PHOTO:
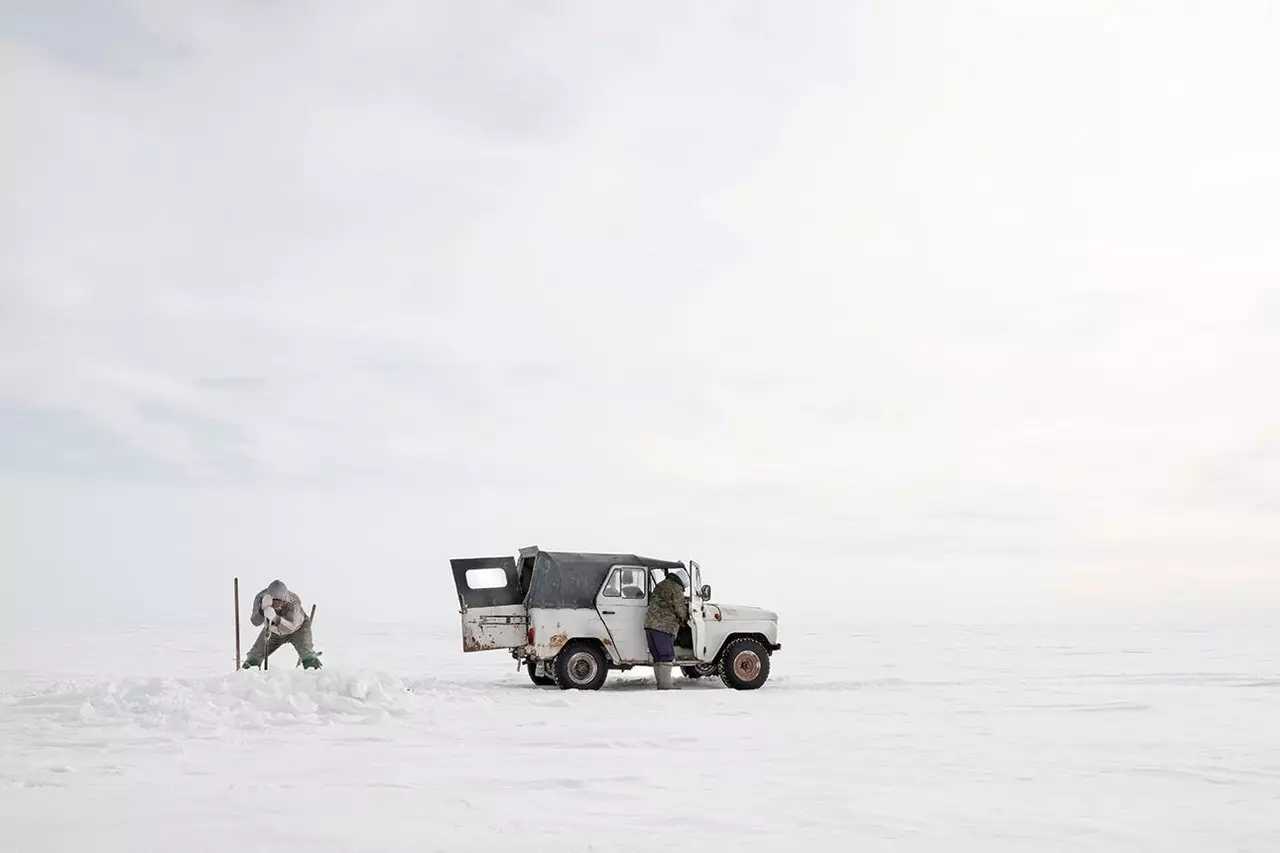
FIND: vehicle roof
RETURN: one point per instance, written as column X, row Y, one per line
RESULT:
column 570, row 560
column 572, row 579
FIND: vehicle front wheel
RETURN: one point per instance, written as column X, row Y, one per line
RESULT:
column 580, row 666
column 540, row 680
column 702, row 670
column 745, row 664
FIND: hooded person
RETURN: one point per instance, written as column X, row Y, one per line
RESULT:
column 666, row 614
column 287, row 622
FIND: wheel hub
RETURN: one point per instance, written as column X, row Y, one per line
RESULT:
column 582, row 667
column 746, row 665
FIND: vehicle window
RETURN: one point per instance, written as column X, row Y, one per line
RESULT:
column 632, row 582
column 625, row 582
column 486, row 578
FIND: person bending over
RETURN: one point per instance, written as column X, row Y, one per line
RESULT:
column 287, row 622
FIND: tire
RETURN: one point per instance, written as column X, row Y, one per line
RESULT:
column 744, row 664
column 580, row 666
column 702, row 670
column 539, row 680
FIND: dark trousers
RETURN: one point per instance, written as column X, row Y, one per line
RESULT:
column 662, row 646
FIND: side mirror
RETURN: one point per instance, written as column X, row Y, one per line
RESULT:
column 705, row 592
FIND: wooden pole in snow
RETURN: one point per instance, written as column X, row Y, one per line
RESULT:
column 235, row 587
column 313, row 619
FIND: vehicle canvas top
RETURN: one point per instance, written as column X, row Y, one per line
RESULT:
column 572, row 580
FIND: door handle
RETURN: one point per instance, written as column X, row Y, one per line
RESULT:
column 608, row 612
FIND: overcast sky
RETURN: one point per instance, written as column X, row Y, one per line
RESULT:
column 933, row 310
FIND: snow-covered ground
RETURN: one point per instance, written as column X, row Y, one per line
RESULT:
column 899, row 739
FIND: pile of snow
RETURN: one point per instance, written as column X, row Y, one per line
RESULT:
column 244, row 700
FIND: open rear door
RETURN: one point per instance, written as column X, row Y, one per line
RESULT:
column 492, row 605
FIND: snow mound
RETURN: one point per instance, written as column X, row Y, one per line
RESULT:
column 244, row 700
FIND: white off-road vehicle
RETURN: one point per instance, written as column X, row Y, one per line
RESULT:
column 569, row 618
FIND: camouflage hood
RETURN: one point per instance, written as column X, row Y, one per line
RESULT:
column 287, row 605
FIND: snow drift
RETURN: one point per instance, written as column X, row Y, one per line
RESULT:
column 905, row 740
column 245, row 700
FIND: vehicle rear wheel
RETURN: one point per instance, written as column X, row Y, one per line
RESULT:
column 540, row 680
column 702, row 670
column 580, row 666
column 744, row 664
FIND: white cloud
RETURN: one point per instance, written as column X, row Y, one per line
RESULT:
column 929, row 286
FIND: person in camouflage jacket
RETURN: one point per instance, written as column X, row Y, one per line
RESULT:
column 286, row 622
column 666, row 614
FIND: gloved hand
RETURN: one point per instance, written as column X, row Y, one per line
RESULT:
column 269, row 613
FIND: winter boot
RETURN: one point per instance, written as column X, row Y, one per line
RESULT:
column 663, row 673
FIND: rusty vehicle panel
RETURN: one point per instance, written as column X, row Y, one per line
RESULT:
column 552, row 629
column 487, row 630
